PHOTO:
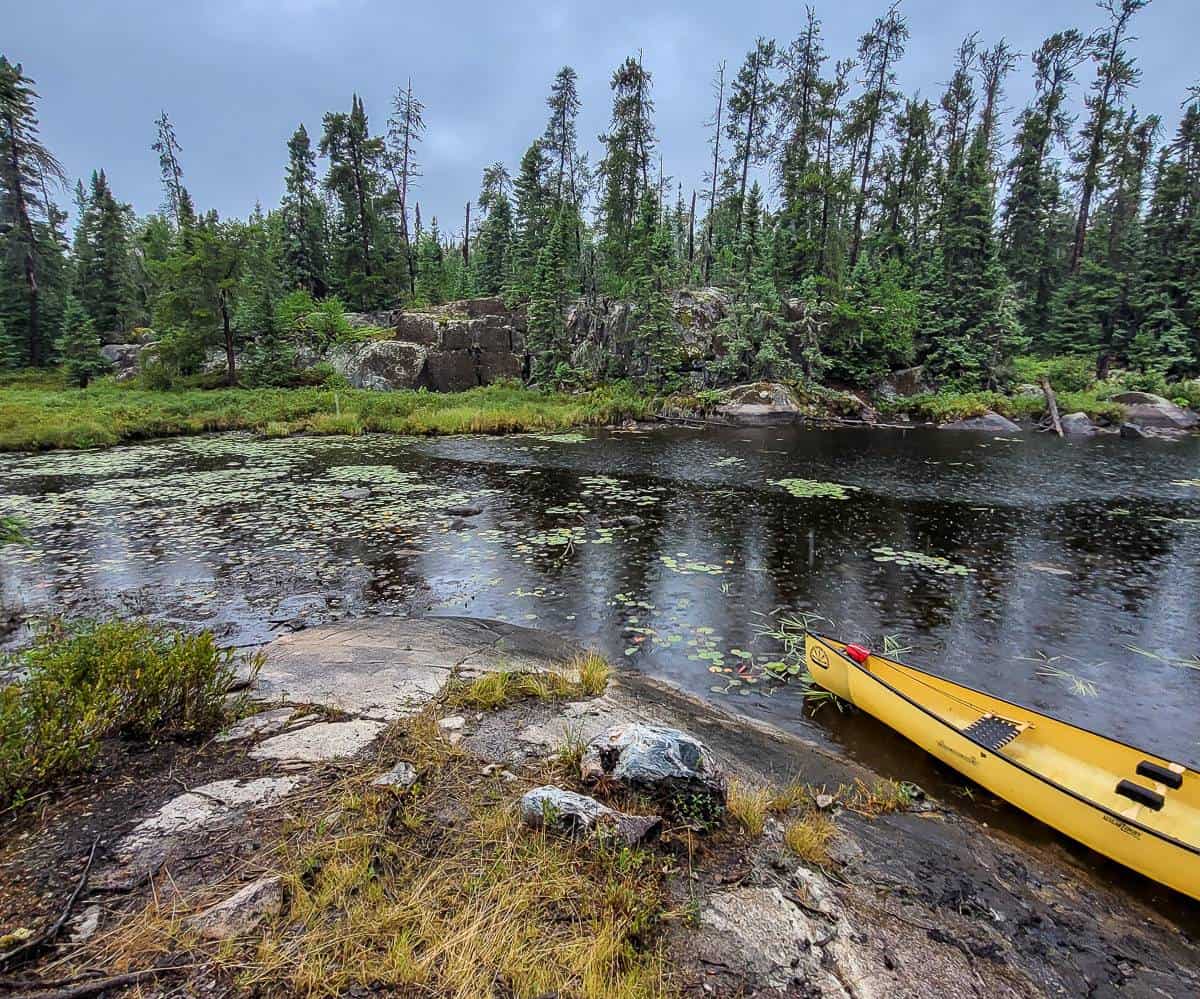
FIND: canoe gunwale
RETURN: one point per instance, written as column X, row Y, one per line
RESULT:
column 1165, row 837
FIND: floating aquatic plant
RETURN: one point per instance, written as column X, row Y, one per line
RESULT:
column 683, row 563
column 814, row 489
column 1048, row 667
column 920, row 560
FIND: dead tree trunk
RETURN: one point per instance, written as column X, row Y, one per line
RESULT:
column 1052, row 406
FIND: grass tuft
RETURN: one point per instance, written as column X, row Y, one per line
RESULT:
column 882, row 797
column 593, row 671
column 809, row 838
column 748, row 806
column 585, row 676
column 794, row 794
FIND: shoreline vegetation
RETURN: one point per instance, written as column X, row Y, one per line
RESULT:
column 40, row 411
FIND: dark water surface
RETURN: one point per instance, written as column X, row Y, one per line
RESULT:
column 669, row 550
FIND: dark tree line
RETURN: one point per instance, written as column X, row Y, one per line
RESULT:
column 855, row 229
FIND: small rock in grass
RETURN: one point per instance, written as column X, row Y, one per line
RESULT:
column 825, row 801
column 400, row 778
column 577, row 815
column 241, row 912
column 455, row 723
column 84, row 926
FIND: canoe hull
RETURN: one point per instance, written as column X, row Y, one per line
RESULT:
column 1161, row 859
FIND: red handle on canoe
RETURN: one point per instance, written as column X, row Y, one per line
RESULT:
column 858, row 653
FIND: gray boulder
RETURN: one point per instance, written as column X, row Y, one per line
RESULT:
column 401, row 777
column 905, row 382
column 240, row 913
column 380, row 364
column 578, row 815
column 665, row 763
column 1131, row 431
column 125, row 358
column 451, row 370
column 762, row 403
column 991, row 423
column 1079, row 425
column 1149, row 410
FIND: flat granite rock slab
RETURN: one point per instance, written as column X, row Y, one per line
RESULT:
column 321, row 743
column 385, row 668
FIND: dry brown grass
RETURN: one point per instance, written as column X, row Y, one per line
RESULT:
column 809, row 838
column 438, row 892
column 792, row 795
column 747, row 805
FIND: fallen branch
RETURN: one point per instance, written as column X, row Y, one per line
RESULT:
column 48, row 936
column 1052, row 405
column 95, row 986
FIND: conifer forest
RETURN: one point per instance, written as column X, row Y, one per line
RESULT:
column 857, row 229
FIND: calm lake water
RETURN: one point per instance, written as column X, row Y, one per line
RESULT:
column 1062, row 574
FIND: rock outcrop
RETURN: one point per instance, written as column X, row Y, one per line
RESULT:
column 1148, row 410
column 760, row 403
column 991, row 423
column 1079, row 425
column 383, row 365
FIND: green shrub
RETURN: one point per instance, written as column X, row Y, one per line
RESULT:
column 80, row 684
column 1067, row 372
column 1186, row 393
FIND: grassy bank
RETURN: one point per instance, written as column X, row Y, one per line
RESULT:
column 82, row 684
column 39, row 413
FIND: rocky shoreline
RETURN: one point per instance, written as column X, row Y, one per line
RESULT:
column 908, row 896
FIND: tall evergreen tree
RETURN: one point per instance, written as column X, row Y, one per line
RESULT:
column 878, row 51
column 659, row 346
column 178, row 204
column 493, row 246
column 1033, row 243
column 625, row 169
column 79, row 346
column 546, row 339
column 971, row 303
column 752, row 100
column 101, row 254
column 28, row 219
column 303, row 218
column 355, row 158
column 1116, row 72
column 534, row 213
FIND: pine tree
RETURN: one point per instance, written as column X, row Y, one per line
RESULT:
column 303, row 218
column 101, row 254
column 493, row 247
column 178, row 204
column 659, row 346
column 546, row 339
column 406, row 129
column 355, row 158
column 1032, row 236
column 878, row 51
column 752, row 100
column 534, row 210
column 79, row 346
column 625, row 169
column 1115, row 74
column 28, row 219
column 431, row 275
column 971, row 303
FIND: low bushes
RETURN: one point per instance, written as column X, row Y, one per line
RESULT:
column 78, row 685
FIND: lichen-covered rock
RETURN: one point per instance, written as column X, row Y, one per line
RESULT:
column 991, row 423
column 401, row 777
column 380, row 364
column 1079, row 425
column 761, row 403
column 241, row 912
column 665, row 763
column 496, row 365
column 905, row 382
column 1149, row 410
column 578, row 815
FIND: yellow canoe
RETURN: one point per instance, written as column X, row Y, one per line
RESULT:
column 1130, row 805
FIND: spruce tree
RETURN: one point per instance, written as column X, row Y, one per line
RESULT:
column 534, row 211
column 493, row 246
column 355, row 159
column 546, row 338
column 303, row 218
column 178, row 204
column 625, row 169
column 79, row 346
column 752, row 100
column 31, row 244
column 659, row 345
column 971, row 304
column 102, row 258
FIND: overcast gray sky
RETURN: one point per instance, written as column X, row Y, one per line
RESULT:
column 237, row 76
